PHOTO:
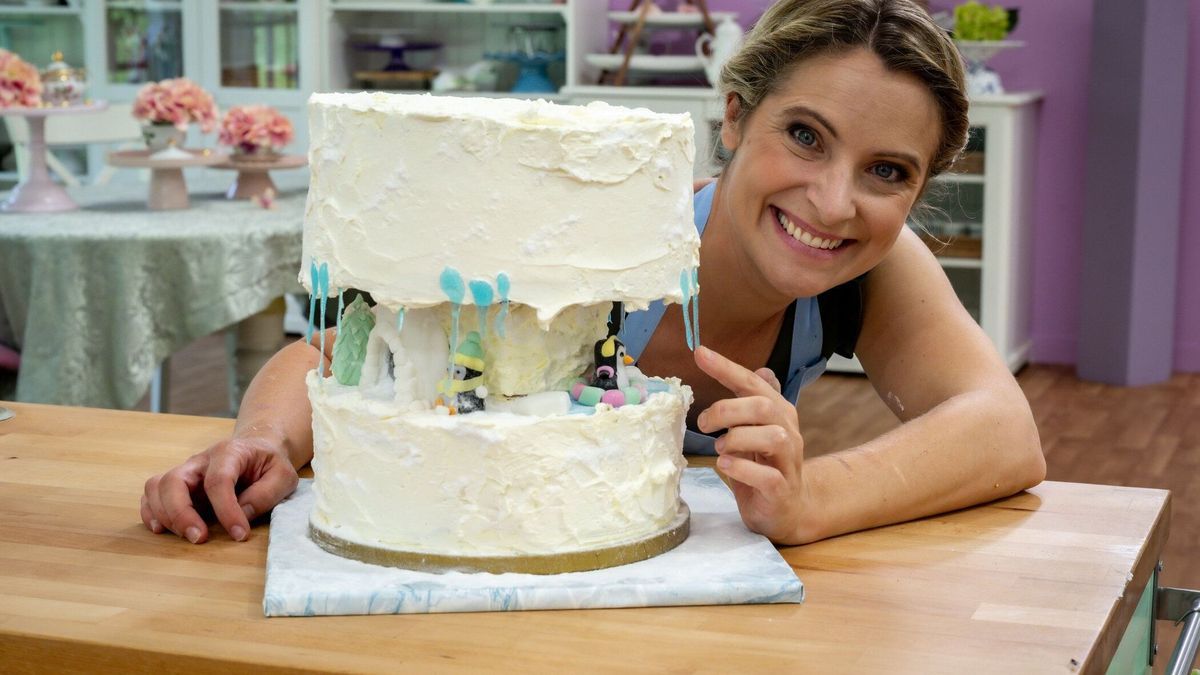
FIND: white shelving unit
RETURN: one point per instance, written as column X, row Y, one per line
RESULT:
column 280, row 51
column 996, row 286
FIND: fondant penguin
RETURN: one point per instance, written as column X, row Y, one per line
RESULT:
column 465, row 390
column 611, row 360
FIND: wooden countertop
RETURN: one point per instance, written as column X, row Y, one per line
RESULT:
column 1028, row 583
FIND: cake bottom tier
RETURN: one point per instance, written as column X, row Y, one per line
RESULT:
column 537, row 492
column 621, row 553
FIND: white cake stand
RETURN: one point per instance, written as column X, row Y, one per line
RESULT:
column 37, row 192
column 253, row 177
column 167, row 187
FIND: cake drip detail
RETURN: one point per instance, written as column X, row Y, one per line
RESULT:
column 312, row 300
column 696, row 303
column 322, row 289
column 452, row 285
column 481, row 293
column 502, row 285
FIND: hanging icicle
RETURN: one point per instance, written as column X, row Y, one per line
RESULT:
column 452, row 285
column 685, row 287
column 312, row 301
column 696, row 303
column 481, row 293
column 502, row 286
column 323, row 289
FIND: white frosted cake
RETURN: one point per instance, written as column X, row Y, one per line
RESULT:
column 480, row 415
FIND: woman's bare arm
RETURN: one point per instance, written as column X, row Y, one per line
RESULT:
column 968, row 434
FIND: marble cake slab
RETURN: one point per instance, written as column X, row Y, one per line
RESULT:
column 721, row 563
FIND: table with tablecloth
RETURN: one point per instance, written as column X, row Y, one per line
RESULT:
column 96, row 299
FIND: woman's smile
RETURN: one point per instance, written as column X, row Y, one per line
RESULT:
column 800, row 236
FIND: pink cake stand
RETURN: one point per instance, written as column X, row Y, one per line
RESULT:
column 167, row 187
column 37, row 192
column 253, row 177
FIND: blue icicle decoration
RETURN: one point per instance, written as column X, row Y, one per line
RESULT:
column 696, row 303
column 502, row 285
column 400, row 319
column 481, row 293
column 323, row 284
column 685, row 287
column 452, row 285
column 341, row 310
column 312, row 301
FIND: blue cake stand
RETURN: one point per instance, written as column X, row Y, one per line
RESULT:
column 533, row 76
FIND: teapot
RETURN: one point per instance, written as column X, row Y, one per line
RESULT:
column 62, row 85
column 721, row 44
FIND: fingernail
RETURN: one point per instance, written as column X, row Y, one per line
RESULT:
column 155, row 526
column 249, row 511
column 237, row 533
column 192, row 534
column 723, row 462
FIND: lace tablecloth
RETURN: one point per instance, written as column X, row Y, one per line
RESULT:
column 95, row 299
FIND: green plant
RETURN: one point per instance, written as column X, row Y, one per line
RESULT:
column 975, row 21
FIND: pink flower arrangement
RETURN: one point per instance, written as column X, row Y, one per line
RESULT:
column 20, row 83
column 255, row 127
column 177, row 101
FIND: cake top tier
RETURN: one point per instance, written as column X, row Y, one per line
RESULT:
column 573, row 205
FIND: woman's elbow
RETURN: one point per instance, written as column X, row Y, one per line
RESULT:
column 1029, row 462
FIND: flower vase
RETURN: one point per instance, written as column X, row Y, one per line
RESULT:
column 163, row 137
column 253, row 163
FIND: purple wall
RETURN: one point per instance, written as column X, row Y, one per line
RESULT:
column 1056, row 61
column 1187, row 313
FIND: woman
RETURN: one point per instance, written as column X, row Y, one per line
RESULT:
column 838, row 114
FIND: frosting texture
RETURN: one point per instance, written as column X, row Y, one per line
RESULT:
column 493, row 483
column 403, row 186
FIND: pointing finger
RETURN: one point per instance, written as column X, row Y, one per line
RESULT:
column 735, row 377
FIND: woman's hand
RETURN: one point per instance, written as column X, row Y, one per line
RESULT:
column 762, row 452
column 173, row 500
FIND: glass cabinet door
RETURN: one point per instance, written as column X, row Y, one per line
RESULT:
column 260, row 44
column 145, row 40
column 35, row 32
column 951, row 221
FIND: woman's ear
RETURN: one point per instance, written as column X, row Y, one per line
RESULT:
column 731, row 132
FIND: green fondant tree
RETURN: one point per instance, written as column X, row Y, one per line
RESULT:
column 350, row 349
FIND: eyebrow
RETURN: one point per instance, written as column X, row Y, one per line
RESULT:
column 794, row 110
column 910, row 159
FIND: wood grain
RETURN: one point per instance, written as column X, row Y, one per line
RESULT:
column 1026, row 584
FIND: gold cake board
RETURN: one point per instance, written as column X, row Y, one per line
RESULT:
column 622, row 553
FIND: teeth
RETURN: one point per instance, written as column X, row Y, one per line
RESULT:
column 804, row 237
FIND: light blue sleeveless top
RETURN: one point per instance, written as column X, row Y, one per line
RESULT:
column 806, row 362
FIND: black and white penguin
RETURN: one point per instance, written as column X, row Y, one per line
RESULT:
column 611, row 359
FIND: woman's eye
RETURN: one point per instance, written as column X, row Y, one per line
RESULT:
column 888, row 172
column 804, row 135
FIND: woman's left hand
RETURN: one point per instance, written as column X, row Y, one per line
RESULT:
column 762, row 452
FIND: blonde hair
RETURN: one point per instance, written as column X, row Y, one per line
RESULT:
column 899, row 32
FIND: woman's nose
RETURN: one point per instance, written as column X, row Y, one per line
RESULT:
column 832, row 194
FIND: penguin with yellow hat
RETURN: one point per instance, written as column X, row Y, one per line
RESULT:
column 465, row 391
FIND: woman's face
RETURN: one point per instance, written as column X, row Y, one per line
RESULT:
column 827, row 168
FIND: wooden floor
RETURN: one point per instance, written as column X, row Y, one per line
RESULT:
column 1091, row 433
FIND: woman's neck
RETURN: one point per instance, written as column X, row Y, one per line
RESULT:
column 730, row 284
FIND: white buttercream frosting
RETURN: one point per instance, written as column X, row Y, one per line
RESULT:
column 578, row 205
column 491, row 483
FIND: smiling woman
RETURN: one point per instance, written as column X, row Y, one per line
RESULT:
column 838, row 113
